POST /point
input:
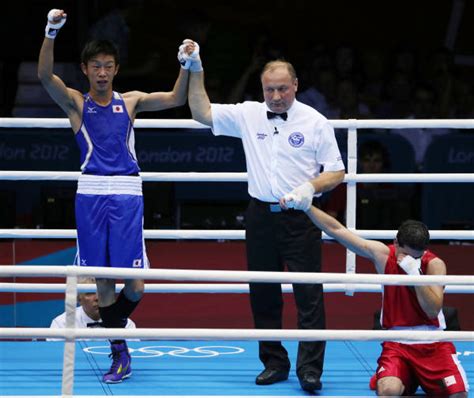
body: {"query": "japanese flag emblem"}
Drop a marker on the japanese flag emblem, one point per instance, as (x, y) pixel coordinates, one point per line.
(118, 108)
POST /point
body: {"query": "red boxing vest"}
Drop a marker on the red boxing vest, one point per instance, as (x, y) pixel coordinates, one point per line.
(400, 306)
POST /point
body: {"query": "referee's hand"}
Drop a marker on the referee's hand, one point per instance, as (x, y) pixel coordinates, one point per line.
(299, 198)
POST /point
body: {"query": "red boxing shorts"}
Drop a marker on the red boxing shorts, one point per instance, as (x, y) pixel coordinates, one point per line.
(435, 367)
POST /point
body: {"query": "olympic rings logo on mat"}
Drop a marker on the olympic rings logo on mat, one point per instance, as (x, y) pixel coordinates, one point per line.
(172, 351)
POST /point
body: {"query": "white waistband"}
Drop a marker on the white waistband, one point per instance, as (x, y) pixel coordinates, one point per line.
(416, 328)
(109, 185)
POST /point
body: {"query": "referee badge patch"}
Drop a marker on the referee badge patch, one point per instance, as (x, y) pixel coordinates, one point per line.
(296, 139)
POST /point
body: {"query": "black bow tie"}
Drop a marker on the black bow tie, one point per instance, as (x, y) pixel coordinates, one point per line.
(95, 325)
(271, 115)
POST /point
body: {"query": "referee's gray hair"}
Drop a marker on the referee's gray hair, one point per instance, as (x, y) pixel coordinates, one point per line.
(278, 63)
(84, 280)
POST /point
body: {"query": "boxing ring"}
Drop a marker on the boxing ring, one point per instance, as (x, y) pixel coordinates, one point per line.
(210, 362)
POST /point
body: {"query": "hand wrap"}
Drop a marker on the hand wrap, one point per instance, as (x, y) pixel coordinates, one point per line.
(189, 61)
(412, 266)
(52, 27)
(301, 198)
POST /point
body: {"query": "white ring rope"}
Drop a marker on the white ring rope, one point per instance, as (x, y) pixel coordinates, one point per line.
(226, 334)
(62, 123)
(19, 122)
(146, 176)
(219, 234)
(237, 334)
(12, 287)
(240, 177)
(232, 276)
(407, 177)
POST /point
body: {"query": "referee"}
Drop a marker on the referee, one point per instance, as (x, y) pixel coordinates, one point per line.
(286, 145)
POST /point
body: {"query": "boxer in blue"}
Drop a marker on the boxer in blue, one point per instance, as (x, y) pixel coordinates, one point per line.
(109, 202)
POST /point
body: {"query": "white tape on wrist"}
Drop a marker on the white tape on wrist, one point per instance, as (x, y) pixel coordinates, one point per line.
(50, 31)
(52, 27)
(184, 59)
(196, 66)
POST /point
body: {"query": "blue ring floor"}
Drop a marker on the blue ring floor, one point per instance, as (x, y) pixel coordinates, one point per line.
(187, 368)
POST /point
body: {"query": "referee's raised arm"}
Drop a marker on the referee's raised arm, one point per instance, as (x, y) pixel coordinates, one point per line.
(197, 96)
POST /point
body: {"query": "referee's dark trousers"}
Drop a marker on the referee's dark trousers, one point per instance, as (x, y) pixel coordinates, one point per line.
(275, 238)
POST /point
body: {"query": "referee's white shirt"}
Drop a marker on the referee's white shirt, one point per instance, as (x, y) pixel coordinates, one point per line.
(280, 154)
(82, 319)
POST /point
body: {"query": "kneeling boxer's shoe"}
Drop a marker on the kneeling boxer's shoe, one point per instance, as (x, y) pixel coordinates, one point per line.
(121, 362)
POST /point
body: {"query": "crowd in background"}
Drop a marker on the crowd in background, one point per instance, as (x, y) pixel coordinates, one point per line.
(341, 78)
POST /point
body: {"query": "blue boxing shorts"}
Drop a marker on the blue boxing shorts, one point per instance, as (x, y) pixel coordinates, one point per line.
(109, 220)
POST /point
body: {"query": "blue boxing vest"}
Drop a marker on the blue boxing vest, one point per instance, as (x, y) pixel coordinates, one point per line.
(106, 139)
